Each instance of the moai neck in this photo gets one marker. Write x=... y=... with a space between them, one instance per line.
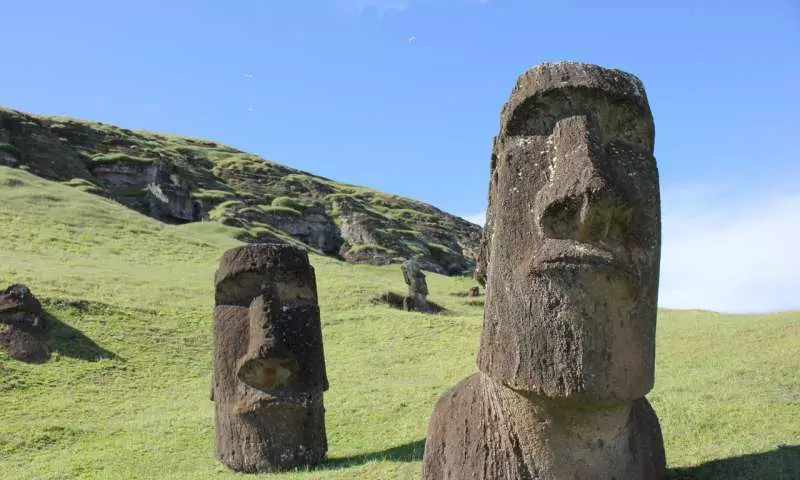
x=567 y=440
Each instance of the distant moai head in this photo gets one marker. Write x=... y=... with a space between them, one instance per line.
x=269 y=367
x=572 y=242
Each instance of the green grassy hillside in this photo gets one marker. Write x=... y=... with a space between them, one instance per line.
x=126 y=394
x=266 y=201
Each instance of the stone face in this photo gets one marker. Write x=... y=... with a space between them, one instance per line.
x=21 y=333
x=570 y=262
x=269 y=366
x=573 y=237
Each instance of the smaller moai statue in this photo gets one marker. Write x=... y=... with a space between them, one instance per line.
x=21 y=331
x=269 y=366
x=417 y=299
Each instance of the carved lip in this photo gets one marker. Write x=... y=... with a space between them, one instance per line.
x=572 y=254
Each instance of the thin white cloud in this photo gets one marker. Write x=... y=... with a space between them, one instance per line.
x=247 y=75
x=730 y=255
x=726 y=251
x=379 y=6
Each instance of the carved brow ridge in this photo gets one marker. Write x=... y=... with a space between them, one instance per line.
x=541 y=105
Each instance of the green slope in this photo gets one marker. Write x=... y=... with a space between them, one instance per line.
x=266 y=200
x=126 y=394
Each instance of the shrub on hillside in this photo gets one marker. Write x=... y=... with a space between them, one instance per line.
x=118 y=158
x=287 y=202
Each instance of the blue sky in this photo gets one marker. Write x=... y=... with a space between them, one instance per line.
x=404 y=96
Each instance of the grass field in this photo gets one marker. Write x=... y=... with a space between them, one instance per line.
x=126 y=393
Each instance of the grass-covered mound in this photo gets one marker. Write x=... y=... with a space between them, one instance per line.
x=126 y=394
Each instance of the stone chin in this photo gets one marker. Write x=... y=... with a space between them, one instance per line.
x=573 y=334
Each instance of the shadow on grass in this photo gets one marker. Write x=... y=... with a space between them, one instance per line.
x=780 y=464
x=71 y=342
x=409 y=452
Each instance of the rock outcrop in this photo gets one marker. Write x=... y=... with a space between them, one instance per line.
x=169 y=196
x=178 y=180
x=269 y=366
x=570 y=261
x=21 y=332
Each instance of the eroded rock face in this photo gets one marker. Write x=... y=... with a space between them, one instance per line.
x=570 y=261
x=169 y=196
x=8 y=160
x=21 y=333
x=312 y=227
x=269 y=366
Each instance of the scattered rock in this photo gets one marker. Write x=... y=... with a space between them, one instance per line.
x=269 y=367
x=570 y=262
x=21 y=329
x=404 y=302
x=366 y=254
x=8 y=160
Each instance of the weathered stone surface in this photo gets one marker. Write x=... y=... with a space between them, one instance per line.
x=570 y=262
x=573 y=230
x=312 y=227
x=8 y=159
x=169 y=195
x=417 y=299
x=117 y=175
x=269 y=366
x=483 y=430
x=367 y=254
x=21 y=333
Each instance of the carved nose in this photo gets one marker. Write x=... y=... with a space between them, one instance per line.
x=580 y=201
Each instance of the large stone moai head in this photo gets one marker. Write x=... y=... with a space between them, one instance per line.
x=572 y=242
x=269 y=367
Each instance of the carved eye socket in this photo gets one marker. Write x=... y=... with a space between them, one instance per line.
x=267 y=373
x=591 y=218
x=560 y=218
x=606 y=220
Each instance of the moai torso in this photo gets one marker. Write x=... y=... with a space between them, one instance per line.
x=269 y=367
x=570 y=261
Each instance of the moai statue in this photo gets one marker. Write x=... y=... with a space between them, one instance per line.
x=21 y=331
x=417 y=299
x=571 y=261
x=269 y=367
